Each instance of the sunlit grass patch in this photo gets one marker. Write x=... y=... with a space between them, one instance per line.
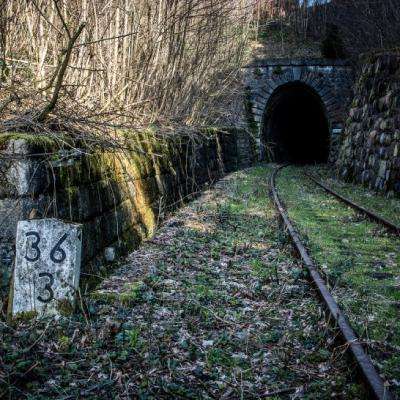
x=359 y=259
x=388 y=207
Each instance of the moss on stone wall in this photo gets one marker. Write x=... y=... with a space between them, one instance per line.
x=40 y=140
x=119 y=196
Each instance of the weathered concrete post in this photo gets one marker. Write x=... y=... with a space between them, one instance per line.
x=47 y=266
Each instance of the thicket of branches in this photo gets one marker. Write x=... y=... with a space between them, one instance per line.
x=85 y=64
x=119 y=63
x=364 y=25
x=292 y=13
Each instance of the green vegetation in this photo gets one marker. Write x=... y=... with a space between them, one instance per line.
x=278 y=70
x=133 y=293
x=332 y=45
x=388 y=207
x=282 y=40
x=360 y=260
x=39 y=140
x=252 y=125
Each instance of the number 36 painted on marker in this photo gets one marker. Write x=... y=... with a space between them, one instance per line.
x=57 y=254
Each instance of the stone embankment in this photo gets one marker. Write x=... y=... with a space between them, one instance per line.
x=117 y=196
x=370 y=152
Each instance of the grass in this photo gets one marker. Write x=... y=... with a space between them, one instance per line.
x=359 y=259
x=374 y=201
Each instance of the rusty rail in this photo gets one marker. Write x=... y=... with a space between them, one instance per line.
x=375 y=217
x=367 y=369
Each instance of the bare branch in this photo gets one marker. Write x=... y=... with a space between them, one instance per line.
x=60 y=75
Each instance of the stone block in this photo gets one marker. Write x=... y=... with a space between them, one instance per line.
x=384 y=139
x=47 y=266
x=257 y=111
x=382 y=169
x=25 y=175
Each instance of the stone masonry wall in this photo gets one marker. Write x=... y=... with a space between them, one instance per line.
x=117 y=196
x=370 y=152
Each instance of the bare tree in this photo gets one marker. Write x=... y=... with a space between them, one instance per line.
x=120 y=63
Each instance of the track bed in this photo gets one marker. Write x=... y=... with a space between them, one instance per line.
x=358 y=258
x=213 y=307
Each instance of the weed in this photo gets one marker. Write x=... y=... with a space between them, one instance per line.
x=134 y=338
x=277 y=70
x=263 y=272
x=133 y=294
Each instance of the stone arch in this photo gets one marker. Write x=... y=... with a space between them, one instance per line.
x=331 y=80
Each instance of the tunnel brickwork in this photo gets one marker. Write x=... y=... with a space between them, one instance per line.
x=310 y=89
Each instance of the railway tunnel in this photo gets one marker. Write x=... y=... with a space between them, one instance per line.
x=295 y=126
x=298 y=107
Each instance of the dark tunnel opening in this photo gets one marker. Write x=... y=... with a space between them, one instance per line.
x=296 y=129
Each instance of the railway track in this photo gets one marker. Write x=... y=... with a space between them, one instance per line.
x=370 y=214
x=368 y=371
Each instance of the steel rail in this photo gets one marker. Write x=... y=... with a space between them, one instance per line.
x=375 y=217
x=369 y=373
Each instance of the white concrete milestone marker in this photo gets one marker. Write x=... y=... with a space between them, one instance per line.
x=47 y=266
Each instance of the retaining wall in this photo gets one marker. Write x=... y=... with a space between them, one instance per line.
x=117 y=196
x=370 y=151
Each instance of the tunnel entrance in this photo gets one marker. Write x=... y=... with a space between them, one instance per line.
x=296 y=129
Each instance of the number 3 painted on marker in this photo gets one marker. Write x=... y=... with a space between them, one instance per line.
x=47 y=287
x=34 y=246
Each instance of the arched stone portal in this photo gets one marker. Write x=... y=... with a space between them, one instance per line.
x=331 y=81
x=295 y=126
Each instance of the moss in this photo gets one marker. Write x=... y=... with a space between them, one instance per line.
x=65 y=307
x=131 y=238
x=257 y=73
x=25 y=316
x=89 y=168
x=72 y=191
x=64 y=343
x=133 y=293
x=64 y=176
x=277 y=70
x=33 y=139
x=143 y=206
x=249 y=114
x=107 y=297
